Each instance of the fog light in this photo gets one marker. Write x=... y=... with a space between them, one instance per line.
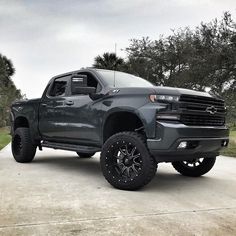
x=224 y=143
x=168 y=117
x=182 y=145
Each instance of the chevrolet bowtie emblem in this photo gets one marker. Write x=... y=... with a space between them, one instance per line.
x=211 y=110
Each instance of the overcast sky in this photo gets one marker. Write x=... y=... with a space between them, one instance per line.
x=46 y=38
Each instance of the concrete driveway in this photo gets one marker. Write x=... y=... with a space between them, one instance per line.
x=59 y=194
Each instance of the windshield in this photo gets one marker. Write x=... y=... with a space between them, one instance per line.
x=123 y=79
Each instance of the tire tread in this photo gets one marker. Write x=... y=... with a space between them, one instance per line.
x=151 y=168
x=29 y=149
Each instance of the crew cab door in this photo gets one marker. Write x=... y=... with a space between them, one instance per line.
x=51 y=110
x=82 y=114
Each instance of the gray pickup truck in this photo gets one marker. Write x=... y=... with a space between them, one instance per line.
x=134 y=124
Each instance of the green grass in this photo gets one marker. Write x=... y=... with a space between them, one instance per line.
x=4 y=137
x=231 y=149
x=233 y=134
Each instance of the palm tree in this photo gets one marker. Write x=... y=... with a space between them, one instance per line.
x=108 y=61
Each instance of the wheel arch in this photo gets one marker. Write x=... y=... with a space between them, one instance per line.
x=121 y=120
x=21 y=122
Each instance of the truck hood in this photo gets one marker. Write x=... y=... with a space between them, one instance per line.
x=159 y=90
x=179 y=91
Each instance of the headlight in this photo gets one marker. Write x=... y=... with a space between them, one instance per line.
x=167 y=98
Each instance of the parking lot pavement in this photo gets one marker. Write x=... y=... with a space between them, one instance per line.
x=60 y=194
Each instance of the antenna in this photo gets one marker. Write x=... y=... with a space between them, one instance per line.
x=114 y=80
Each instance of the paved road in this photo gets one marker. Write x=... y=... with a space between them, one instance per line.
x=59 y=194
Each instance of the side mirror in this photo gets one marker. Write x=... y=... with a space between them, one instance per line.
x=79 y=85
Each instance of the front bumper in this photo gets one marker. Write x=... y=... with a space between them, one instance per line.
x=202 y=141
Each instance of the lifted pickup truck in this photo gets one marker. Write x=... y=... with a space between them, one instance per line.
x=134 y=124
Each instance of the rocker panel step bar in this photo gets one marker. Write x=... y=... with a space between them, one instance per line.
x=70 y=147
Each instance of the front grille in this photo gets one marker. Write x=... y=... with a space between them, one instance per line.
x=202 y=111
x=202 y=120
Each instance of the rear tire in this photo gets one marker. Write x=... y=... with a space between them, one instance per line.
x=196 y=167
x=126 y=162
x=23 y=148
x=85 y=155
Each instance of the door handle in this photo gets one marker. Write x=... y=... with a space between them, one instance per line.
x=43 y=104
x=69 y=103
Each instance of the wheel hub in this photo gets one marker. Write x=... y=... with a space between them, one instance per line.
x=126 y=160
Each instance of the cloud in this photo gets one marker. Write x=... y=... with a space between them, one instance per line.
x=45 y=38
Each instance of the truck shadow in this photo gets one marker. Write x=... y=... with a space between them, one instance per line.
x=169 y=181
x=89 y=166
x=165 y=179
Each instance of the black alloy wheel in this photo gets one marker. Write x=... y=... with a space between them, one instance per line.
x=126 y=162
x=195 y=167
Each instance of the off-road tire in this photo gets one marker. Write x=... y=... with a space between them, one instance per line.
x=85 y=155
x=201 y=169
x=142 y=166
x=23 y=149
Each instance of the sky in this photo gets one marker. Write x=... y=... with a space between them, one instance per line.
x=47 y=38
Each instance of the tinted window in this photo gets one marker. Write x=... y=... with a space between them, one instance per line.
x=59 y=87
x=121 y=79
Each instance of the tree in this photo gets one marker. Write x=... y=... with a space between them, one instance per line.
x=204 y=57
x=8 y=90
x=197 y=59
x=200 y=58
x=108 y=61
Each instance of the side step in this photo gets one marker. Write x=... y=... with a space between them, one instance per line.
x=70 y=147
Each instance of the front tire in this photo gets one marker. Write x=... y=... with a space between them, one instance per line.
x=126 y=162
x=23 y=149
x=195 y=167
